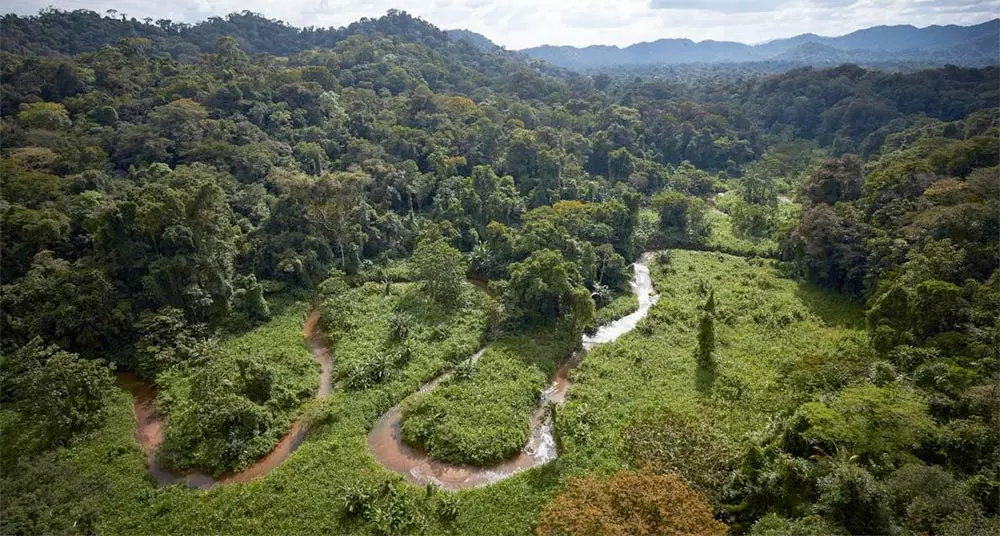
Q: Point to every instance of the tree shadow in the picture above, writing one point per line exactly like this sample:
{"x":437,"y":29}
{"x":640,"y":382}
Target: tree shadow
{"x":704,"y":378}
{"x":835,"y":310}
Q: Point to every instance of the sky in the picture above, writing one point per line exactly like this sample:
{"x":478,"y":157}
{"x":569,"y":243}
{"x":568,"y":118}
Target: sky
{"x":518,"y":24}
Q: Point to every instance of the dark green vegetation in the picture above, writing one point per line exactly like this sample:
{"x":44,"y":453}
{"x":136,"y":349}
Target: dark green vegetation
{"x":823,"y":357}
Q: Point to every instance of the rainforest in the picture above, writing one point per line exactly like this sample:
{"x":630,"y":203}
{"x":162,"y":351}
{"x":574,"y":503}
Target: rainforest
{"x":377,"y":279}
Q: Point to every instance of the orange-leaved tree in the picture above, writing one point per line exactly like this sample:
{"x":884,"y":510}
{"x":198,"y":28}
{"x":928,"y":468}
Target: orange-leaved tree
{"x":628,"y":503}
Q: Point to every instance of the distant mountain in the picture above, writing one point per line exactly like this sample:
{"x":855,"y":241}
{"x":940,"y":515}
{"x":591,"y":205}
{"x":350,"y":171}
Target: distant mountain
{"x":477,"y":40}
{"x":961,"y":45}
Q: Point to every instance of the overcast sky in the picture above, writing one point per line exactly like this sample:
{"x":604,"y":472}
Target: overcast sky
{"x":524,"y":23}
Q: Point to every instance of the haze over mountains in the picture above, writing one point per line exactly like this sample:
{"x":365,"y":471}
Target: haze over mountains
{"x":960,"y":45}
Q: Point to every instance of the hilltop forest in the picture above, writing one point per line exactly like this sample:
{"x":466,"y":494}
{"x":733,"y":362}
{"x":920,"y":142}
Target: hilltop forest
{"x":810,"y":260}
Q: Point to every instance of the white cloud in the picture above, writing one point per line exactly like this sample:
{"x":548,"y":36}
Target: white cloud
{"x":525,"y":23}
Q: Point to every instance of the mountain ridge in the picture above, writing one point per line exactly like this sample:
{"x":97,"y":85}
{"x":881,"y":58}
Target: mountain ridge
{"x":974,"y":45}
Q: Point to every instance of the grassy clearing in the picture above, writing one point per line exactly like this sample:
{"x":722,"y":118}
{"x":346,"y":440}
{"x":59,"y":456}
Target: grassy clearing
{"x":721,"y":237}
{"x":400,"y":334}
{"x":765,"y":321}
{"x":482,"y":414}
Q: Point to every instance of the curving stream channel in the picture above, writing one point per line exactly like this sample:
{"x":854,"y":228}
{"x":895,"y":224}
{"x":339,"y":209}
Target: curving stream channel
{"x":386,"y":444}
{"x":149,"y":423}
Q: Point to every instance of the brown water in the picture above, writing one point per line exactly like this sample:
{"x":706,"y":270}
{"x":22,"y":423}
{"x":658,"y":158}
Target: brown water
{"x":386,"y":443}
{"x":149,"y":423}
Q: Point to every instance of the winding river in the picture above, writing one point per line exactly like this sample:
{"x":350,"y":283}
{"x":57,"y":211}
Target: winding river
{"x":386,"y":444}
{"x":149,"y":423}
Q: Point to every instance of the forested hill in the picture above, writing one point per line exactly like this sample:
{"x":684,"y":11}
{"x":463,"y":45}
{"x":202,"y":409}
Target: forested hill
{"x":57,"y":32}
{"x":881,"y":45}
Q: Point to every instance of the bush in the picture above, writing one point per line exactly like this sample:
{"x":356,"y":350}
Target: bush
{"x":924,"y":498}
{"x":669,"y":442}
{"x":851,"y":497}
{"x":480,"y":420}
{"x":775,"y":525}
{"x":628,"y":503}
{"x":870,"y":421}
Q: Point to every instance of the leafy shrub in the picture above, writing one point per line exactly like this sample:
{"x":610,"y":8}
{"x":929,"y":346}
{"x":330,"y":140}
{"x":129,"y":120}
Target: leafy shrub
{"x":870,"y":420}
{"x":628,"y":503}
{"x":926,"y":498}
{"x":775,"y":525}
{"x":232,"y":404}
{"x":852,"y":498}
{"x":486,"y":418}
{"x":669,"y":442}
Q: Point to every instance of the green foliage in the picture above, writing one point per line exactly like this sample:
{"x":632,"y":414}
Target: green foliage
{"x":57,"y":300}
{"x":60,"y":393}
{"x":682,"y":213}
{"x":165,"y":340}
{"x":705,"y":354}
{"x":485,"y":417}
{"x":545,"y":289}
{"x":370,"y":351}
{"x":619,"y":306}
{"x":775,"y":525}
{"x":931,"y":500}
{"x":850,"y":497}
{"x":231,"y":406}
{"x":44,"y":115}
{"x":670,"y":442}
{"x":160,"y":180}
{"x":870,"y":421}
{"x":441,"y":268}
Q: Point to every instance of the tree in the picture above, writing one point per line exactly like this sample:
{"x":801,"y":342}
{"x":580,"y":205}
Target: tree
{"x":672,"y":207}
{"x":62,"y":392}
{"x":682,"y":213}
{"x":44,"y":115}
{"x":830,"y":246}
{"x":852,"y":498}
{"x":335,"y":208}
{"x":57,"y":300}
{"x":628,"y":503}
{"x":870,"y":421}
{"x":441,"y":268}
{"x":545,"y":288}
{"x":836,"y":180}
{"x":165,"y":340}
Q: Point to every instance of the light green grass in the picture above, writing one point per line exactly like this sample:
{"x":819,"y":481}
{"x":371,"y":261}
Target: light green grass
{"x":439,"y":335}
{"x":764,"y":321}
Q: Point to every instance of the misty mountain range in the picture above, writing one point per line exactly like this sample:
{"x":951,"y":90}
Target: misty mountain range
{"x":977,"y":45}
